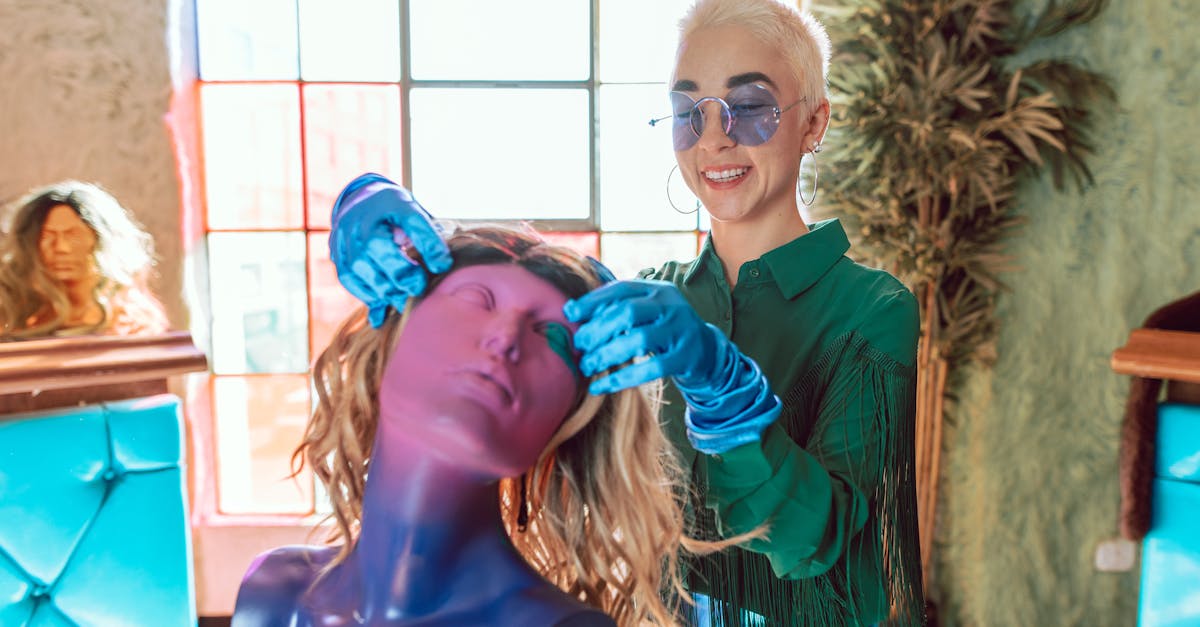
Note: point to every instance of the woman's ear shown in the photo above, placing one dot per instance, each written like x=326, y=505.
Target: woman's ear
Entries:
x=818, y=123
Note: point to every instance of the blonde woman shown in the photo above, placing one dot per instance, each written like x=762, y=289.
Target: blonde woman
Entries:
x=474, y=481
x=73, y=261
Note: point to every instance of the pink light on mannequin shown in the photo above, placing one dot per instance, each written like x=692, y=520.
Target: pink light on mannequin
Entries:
x=484, y=328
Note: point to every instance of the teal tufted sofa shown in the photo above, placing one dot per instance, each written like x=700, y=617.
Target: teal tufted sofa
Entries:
x=93, y=517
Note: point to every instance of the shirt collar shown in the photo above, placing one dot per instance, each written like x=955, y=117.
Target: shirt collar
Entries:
x=796, y=265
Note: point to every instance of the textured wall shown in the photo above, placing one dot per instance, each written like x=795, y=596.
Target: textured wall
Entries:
x=84, y=87
x=1030, y=475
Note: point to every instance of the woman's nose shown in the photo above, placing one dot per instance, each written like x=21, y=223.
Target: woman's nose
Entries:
x=713, y=136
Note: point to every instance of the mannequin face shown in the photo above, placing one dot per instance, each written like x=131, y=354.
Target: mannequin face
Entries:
x=474, y=377
x=66, y=245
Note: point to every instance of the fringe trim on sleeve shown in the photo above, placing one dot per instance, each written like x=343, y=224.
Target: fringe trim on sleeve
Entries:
x=884, y=555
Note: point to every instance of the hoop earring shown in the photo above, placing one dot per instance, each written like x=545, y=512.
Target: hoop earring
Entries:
x=669, y=175
x=813, y=152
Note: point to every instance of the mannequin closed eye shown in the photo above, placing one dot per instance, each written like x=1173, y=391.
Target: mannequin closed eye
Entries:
x=476, y=294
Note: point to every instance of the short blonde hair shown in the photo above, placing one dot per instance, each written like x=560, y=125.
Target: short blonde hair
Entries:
x=605, y=516
x=794, y=33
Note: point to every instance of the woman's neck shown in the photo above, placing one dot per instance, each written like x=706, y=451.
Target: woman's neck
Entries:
x=744, y=240
x=432, y=540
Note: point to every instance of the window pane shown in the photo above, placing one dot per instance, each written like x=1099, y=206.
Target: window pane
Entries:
x=247, y=41
x=348, y=130
x=635, y=162
x=259, y=306
x=252, y=156
x=511, y=40
x=638, y=38
x=260, y=420
x=329, y=303
x=626, y=254
x=356, y=40
x=501, y=154
x=582, y=243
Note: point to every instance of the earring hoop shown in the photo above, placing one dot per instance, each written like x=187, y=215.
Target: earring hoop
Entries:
x=813, y=152
x=677, y=209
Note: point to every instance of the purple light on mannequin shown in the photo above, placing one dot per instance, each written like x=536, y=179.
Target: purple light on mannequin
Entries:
x=472, y=393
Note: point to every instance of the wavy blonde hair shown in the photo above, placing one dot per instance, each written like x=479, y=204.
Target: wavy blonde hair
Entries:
x=35, y=304
x=605, y=498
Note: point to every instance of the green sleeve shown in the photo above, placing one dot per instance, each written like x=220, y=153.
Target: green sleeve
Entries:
x=815, y=498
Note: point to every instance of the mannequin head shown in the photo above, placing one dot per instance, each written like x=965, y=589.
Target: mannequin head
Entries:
x=72, y=259
x=481, y=370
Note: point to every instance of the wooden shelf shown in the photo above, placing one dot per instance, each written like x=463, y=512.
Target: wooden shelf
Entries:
x=1157, y=354
x=59, y=372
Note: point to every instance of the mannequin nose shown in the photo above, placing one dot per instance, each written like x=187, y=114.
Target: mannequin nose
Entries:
x=502, y=338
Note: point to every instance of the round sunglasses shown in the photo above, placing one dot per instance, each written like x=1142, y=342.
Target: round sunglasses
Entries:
x=750, y=115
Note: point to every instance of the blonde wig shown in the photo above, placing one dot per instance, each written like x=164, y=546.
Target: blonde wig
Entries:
x=603, y=502
x=794, y=33
x=35, y=304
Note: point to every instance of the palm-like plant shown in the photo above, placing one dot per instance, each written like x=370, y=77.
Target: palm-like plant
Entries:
x=937, y=121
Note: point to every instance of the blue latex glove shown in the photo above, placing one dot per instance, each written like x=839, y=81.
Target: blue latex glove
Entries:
x=722, y=418
x=374, y=221
x=729, y=400
x=627, y=319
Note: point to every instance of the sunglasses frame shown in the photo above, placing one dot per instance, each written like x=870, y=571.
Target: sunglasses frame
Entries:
x=728, y=116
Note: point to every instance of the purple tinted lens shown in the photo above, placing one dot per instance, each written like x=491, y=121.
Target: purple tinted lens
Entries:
x=749, y=116
x=755, y=114
x=682, y=133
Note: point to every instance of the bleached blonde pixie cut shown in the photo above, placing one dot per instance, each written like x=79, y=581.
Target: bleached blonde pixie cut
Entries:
x=795, y=34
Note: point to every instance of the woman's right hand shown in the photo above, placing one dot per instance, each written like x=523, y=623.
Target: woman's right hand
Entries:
x=379, y=238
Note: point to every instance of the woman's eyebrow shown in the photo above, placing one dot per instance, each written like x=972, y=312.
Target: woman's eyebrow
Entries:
x=684, y=85
x=738, y=80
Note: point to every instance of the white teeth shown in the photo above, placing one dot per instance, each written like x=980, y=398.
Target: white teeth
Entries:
x=724, y=176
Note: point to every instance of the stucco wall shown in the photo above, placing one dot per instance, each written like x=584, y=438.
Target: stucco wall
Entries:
x=1030, y=474
x=84, y=88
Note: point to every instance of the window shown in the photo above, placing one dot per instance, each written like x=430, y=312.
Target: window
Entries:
x=522, y=110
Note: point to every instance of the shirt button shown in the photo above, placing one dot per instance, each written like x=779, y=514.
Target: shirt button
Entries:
x=728, y=315
x=754, y=272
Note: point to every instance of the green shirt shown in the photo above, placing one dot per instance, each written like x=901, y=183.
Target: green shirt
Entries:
x=833, y=476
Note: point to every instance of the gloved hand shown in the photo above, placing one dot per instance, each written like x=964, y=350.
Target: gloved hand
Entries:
x=374, y=221
x=729, y=400
x=627, y=319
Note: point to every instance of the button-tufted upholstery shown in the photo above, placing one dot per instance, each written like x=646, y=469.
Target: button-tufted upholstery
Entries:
x=93, y=520
x=1170, y=592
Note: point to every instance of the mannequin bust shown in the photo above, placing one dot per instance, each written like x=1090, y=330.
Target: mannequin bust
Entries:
x=494, y=494
x=72, y=262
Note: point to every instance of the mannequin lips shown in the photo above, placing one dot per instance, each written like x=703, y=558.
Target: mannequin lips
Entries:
x=496, y=377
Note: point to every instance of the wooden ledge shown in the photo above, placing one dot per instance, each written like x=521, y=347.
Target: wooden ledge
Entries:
x=1157, y=354
x=35, y=366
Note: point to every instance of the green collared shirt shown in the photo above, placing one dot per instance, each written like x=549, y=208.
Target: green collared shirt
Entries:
x=837, y=341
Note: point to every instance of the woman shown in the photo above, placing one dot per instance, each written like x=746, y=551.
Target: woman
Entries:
x=832, y=477
x=72, y=262
x=498, y=491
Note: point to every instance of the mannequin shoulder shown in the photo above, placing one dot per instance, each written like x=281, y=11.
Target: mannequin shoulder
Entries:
x=271, y=590
x=547, y=605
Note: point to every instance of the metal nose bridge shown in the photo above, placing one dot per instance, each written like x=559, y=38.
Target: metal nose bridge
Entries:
x=726, y=115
